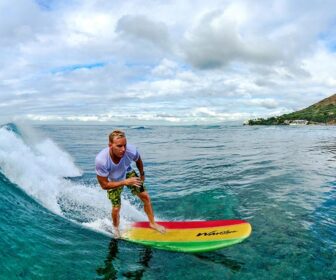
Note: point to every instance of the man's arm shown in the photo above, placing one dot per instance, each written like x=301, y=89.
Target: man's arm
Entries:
x=140, y=167
x=106, y=185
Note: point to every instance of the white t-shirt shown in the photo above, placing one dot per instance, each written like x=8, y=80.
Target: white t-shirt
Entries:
x=105, y=167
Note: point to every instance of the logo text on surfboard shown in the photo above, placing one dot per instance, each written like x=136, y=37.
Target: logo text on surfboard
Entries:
x=215, y=232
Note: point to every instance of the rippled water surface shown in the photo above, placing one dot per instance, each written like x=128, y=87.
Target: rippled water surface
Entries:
x=55, y=221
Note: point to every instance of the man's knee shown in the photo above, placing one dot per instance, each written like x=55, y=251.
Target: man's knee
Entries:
x=115, y=210
x=144, y=196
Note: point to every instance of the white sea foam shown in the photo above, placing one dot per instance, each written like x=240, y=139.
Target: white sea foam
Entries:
x=41, y=169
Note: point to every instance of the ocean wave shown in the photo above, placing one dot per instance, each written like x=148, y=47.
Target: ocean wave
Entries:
x=11, y=127
x=43, y=171
x=140, y=127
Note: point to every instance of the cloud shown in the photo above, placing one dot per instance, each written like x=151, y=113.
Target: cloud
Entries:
x=251, y=33
x=321, y=65
x=166, y=68
x=219, y=39
x=148, y=61
x=268, y=103
x=17, y=24
x=141, y=28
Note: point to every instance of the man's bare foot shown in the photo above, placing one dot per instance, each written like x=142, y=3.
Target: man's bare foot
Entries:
x=116, y=233
x=158, y=227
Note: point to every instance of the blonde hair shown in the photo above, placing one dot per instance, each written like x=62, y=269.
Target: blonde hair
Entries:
x=116, y=134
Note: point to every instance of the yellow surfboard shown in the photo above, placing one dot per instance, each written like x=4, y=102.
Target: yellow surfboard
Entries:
x=190, y=236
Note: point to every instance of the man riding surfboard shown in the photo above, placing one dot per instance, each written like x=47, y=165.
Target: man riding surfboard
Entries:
x=114, y=171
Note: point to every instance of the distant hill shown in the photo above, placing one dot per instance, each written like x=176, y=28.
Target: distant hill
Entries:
x=322, y=112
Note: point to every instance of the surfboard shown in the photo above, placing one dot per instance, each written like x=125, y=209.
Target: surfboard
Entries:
x=190, y=236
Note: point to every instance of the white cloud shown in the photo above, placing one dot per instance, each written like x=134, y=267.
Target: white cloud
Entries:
x=139, y=27
x=268, y=103
x=21, y=22
x=204, y=114
x=166, y=68
x=322, y=66
x=148, y=61
x=217, y=40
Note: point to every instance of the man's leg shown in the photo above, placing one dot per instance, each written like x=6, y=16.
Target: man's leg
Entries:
x=114, y=196
x=144, y=196
x=116, y=221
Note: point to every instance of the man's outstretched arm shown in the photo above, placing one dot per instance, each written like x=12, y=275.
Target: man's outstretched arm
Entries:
x=106, y=185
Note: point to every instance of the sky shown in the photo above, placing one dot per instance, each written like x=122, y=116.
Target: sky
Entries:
x=173, y=62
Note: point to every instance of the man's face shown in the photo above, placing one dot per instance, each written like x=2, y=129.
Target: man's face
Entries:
x=118, y=147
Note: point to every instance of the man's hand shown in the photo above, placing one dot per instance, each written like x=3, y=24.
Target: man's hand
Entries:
x=133, y=181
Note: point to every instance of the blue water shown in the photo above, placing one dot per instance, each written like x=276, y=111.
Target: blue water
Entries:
x=55, y=220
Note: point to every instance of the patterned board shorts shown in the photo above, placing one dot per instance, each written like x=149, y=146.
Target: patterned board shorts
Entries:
x=114, y=194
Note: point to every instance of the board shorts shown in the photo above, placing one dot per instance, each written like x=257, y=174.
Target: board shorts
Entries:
x=115, y=193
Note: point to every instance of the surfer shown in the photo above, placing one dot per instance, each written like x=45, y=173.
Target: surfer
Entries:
x=114, y=171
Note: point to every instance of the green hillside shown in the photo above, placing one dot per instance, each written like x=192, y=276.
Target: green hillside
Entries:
x=322, y=112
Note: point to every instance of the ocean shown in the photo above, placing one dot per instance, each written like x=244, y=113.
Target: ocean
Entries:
x=55, y=219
